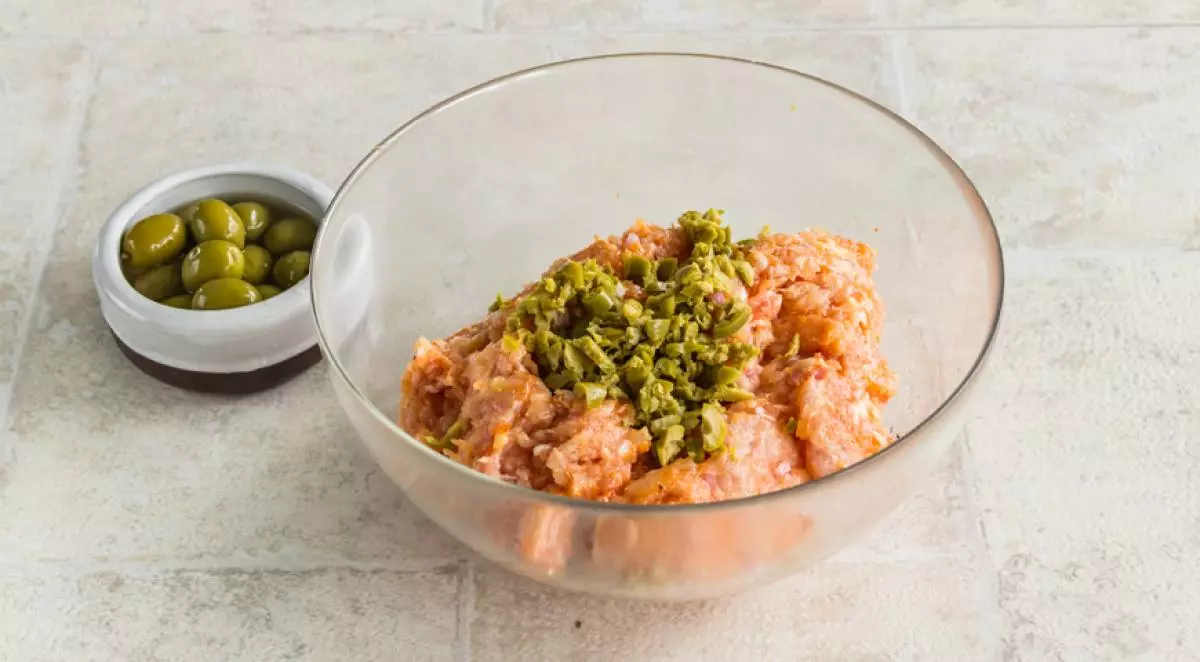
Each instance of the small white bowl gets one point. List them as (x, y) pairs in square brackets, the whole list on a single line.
[(183, 346)]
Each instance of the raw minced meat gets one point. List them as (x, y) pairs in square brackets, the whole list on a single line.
[(817, 408)]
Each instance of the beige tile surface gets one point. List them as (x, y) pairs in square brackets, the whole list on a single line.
[(685, 14), (43, 95), (1042, 12), (43, 91), (939, 520), (164, 18), (1077, 138), (839, 611), (118, 467), (141, 523), (229, 614), (858, 61), (1085, 463)]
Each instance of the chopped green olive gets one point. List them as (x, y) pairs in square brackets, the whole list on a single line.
[(510, 343), (632, 310), (572, 272), (793, 346), (666, 348), (456, 430), (744, 271), (599, 303), (593, 351), (637, 268), (659, 425), (734, 320), (592, 394), (573, 361), (733, 394), (712, 428), (665, 268), (656, 330), (663, 305), (726, 376), (670, 444)]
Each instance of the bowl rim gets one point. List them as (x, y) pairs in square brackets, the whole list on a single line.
[(510, 490)]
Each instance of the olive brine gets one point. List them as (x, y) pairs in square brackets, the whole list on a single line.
[(211, 255)]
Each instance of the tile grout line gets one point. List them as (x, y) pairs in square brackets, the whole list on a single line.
[(491, 31), (1012, 252), (73, 151), (899, 53), (167, 565), (855, 557), (489, 15), (990, 592), (466, 610), (881, 10)]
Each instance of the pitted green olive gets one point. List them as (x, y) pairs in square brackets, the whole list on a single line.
[(213, 219), (183, 301), (258, 264), (153, 241), (186, 212), (255, 218), (268, 290), (225, 293), (160, 282), (289, 234), (212, 260), (291, 268), (129, 271)]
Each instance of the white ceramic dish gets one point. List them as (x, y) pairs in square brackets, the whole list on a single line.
[(241, 340)]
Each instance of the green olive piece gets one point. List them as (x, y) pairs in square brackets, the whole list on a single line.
[(268, 290), (258, 264), (290, 234), (183, 301), (160, 282), (291, 268), (214, 219), (255, 217), (154, 240), (225, 293), (212, 260)]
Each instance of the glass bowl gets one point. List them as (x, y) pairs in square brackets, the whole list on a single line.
[(480, 193)]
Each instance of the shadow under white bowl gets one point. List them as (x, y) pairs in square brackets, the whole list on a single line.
[(236, 341)]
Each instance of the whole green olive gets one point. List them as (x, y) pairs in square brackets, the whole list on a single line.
[(258, 264), (225, 293), (154, 240), (268, 290), (291, 268), (213, 219), (129, 271), (186, 212), (160, 282), (290, 234), (183, 301), (212, 260), (255, 217)]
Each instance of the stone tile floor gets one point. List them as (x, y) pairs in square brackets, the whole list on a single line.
[(1064, 527)]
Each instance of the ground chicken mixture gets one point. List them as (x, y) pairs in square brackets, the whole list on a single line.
[(666, 366)]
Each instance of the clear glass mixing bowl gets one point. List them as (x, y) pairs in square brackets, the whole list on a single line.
[(480, 193)]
